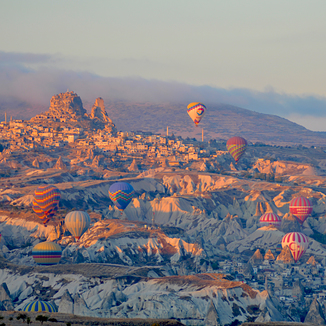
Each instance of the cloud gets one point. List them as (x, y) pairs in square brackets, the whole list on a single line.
[(12, 58), (22, 81)]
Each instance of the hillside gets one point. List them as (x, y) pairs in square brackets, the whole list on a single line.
[(221, 121)]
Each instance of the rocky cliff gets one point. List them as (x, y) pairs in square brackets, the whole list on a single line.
[(98, 111), (68, 107)]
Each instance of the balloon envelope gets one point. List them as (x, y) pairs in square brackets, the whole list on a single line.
[(47, 253), (278, 248), (297, 242), (46, 202), (270, 219), (38, 306), (121, 194), (196, 111), (77, 222), (301, 207), (236, 147)]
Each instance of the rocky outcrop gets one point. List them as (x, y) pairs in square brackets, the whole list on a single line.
[(257, 257), (66, 106), (5, 299), (133, 166), (212, 318), (290, 223), (59, 165), (269, 255), (36, 163), (66, 304), (98, 111), (312, 261), (315, 314), (285, 256)]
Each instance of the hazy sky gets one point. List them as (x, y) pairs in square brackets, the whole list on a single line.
[(258, 47)]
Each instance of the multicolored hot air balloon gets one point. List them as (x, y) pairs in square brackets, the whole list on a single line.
[(270, 219), (121, 194), (297, 242), (196, 111), (301, 207), (236, 147), (278, 248), (77, 222), (39, 306), (46, 202), (47, 253)]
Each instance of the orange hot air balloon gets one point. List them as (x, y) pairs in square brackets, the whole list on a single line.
[(46, 202), (236, 147)]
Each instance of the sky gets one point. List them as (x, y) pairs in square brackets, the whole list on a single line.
[(266, 56)]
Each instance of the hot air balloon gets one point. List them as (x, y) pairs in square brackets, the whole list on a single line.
[(196, 111), (121, 194), (77, 223), (236, 147), (46, 202), (278, 248), (270, 219), (47, 253), (38, 306), (301, 207), (297, 242)]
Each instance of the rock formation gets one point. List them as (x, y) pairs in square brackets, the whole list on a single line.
[(285, 256), (269, 255), (312, 261), (5, 299), (212, 318), (259, 209), (99, 112), (65, 106), (66, 304), (68, 107), (59, 165), (315, 314), (290, 223), (133, 166), (257, 257), (36, 163)]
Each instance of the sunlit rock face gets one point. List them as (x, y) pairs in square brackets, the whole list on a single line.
[(67, 104), (99, 112), (285, 256)]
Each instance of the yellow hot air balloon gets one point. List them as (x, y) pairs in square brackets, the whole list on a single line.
[(196, 111), (77, 222), (47, 253)]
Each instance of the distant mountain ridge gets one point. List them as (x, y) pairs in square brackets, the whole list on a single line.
[(221, 121)]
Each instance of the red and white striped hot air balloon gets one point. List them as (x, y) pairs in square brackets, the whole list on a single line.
[(297, 242), (270, 219), (301, 207)]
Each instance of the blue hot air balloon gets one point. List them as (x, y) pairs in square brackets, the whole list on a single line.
[(38, 306), (77, 223), (121, 194)]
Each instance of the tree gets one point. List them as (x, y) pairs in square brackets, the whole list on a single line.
[(41, 318), (21, 316)]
